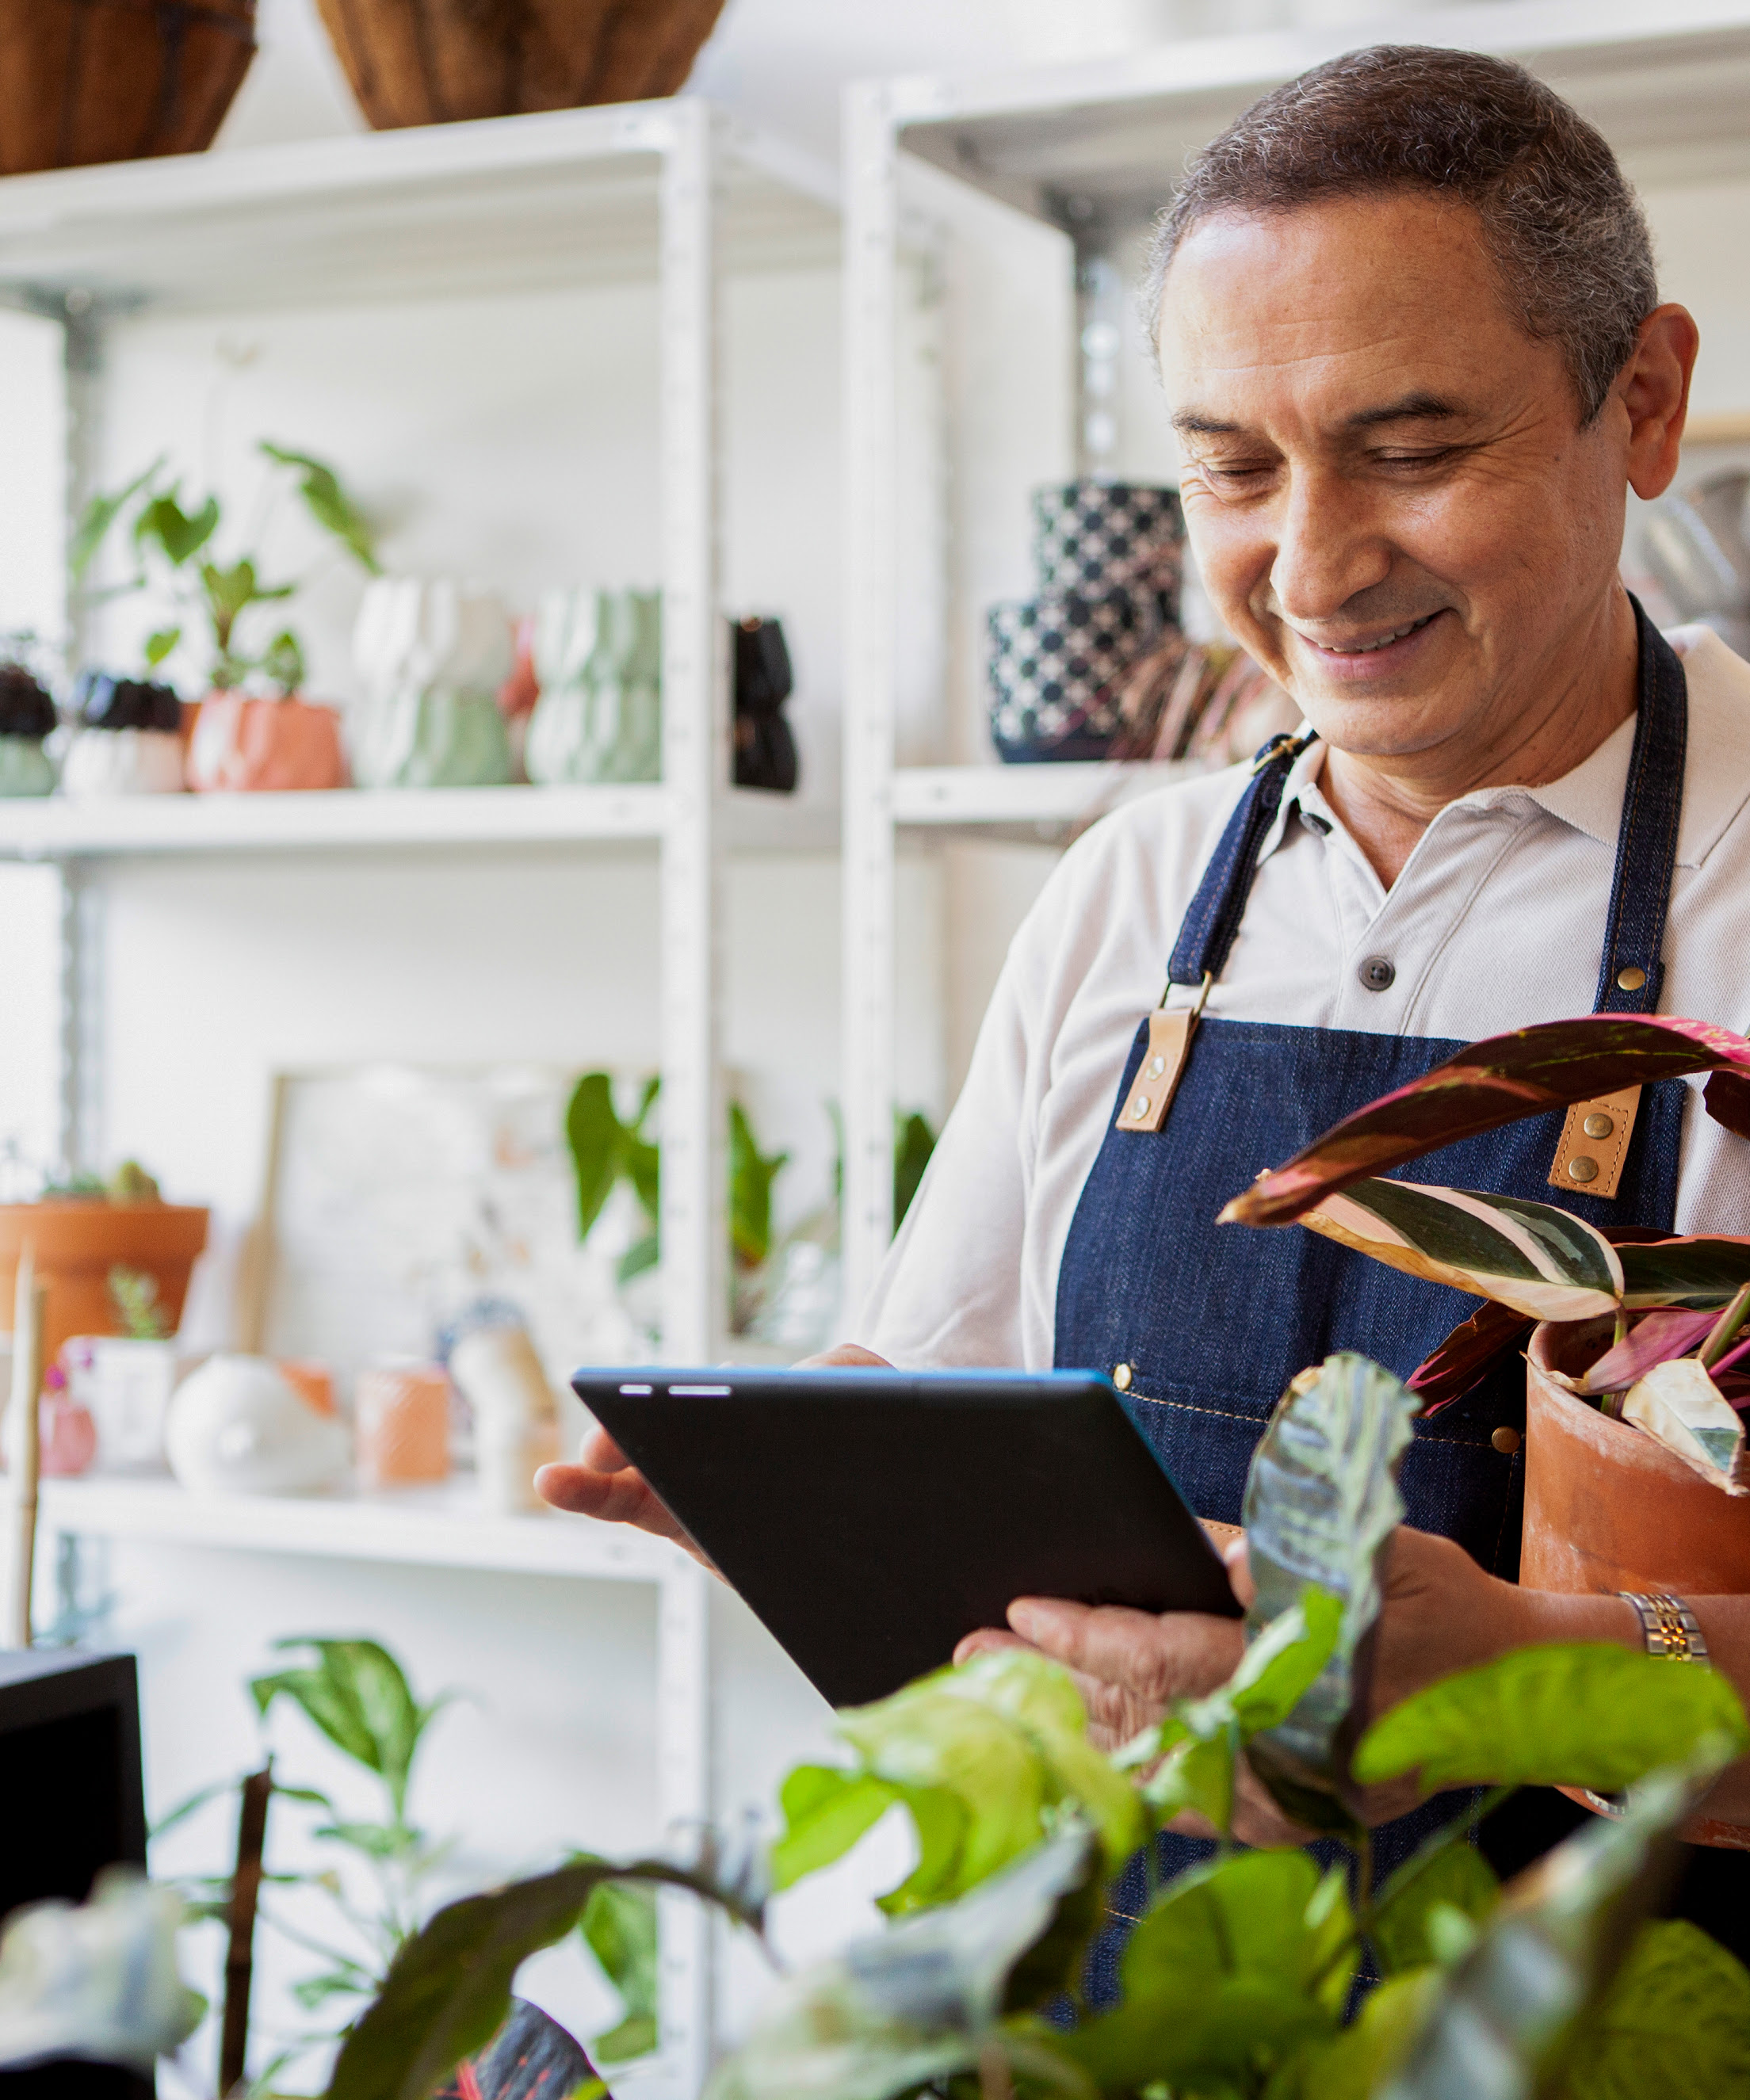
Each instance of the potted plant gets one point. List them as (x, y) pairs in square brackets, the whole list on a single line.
[(251, 732), (1638, 1347), (128, 740), (84, 83), (434, 61), (81, 1231), (27, 717)]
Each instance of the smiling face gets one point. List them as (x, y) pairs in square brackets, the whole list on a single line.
[(1385, 481)]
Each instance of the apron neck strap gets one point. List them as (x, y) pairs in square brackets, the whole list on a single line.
[(1646, 845), (1209, 927), (1647, 841)]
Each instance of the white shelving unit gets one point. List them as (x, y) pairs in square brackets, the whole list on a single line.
[(1082, 149), (675, 191)]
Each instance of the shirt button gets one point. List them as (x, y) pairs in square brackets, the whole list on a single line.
[(1378, 974), (1505, 1441), (1121, 1377)]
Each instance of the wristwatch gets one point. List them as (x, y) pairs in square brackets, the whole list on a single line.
[(1670, 1627)]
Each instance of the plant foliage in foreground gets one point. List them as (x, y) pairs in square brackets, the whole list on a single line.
[(1237, 1979)]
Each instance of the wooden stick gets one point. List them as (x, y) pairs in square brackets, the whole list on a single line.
[(25, 1453), (239, 1955)]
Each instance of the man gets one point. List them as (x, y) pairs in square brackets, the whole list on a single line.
[(1411, 341)]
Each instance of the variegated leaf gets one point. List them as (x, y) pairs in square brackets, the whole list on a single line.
[(1678, 1404), (1536, 1259), (1497, 1082)]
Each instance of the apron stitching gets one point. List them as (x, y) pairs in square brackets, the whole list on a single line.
[(1261, 1421)]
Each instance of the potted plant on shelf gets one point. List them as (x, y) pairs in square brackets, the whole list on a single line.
[(243, 738), (80, 1231), (27, 718), (1638, 1345)]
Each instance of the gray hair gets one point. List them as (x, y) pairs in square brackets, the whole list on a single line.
[(1564, 230)]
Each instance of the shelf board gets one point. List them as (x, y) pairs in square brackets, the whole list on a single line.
[(442, 1527), (1033, 803), (562, 198), (55, 828), (1667, 86)]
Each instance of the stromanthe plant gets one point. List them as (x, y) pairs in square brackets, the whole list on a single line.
[(1672, 1351)]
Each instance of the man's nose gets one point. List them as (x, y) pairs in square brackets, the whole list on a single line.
[(1330, 545)]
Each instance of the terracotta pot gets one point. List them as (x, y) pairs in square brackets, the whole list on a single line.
[(1608, 1508), (77, 1243), (248, 746), (433, 61), (83, 81)]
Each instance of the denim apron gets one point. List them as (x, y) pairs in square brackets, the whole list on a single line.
[(1212, 1323)]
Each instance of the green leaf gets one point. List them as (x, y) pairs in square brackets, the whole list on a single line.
[(620, 1929), (160, 644), (1448, 1871), (1351, 2067), (922, 2001), (1584, 1715), (825, 1813), (938, 1820), (184, 1809), (357, 1695), (1675, 2024), (1537, 1261), (1508, 2012), (642, 1255), (449, 1987), (1487, 1085), (98, 515), (330, 505), (177, 535), (913, 1143), (1233, 1970), (283, 662), (1321, 1502), (751, 1174), (593, 1134)]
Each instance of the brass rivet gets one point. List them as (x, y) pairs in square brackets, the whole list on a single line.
[(1598, 1126), (1631, 979), (1121, 1377), (1139, 1106), (1584, 1167), (1158, 1065), (1505, 1441)]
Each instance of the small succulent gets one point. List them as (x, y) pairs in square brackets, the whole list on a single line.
[(25, 707)]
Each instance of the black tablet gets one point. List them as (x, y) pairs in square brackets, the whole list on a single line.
[(872, 1518)]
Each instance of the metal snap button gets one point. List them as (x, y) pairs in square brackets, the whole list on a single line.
[(1121, 1377), (1631, 979), (1139, 1106), (1598, 1126), (1505, 1441), (1156, 1066), (1583, 1167), (1378, 974)]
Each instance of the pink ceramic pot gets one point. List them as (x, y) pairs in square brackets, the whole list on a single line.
[(264, 746)]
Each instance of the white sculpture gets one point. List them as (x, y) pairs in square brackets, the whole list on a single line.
[(236, 1427), (516, 1429), (431, 656)]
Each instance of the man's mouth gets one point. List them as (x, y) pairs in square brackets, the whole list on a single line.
[(1368, 648)]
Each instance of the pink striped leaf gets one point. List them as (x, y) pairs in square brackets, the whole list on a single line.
[(1497, 1082), (1658, 1337), (1538, 1260)]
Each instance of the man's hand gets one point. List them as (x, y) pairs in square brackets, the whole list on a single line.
[(1442, 1613), (603, 1485)]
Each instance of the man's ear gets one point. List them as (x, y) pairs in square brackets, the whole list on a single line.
[(1654, 389)]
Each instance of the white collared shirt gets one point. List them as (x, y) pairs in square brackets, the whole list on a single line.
[(1495, 922)]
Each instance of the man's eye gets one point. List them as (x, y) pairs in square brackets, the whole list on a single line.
[(1238, 470), (1435, 458)]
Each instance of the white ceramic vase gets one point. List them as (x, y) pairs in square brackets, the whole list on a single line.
[(236, 1427), (431, 656), (123, 761)]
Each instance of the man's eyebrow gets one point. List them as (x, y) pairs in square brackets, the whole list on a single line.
[(1411, 407)]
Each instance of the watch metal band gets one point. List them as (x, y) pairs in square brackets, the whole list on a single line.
[(1670, 1627)]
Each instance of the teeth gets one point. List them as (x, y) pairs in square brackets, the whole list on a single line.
[(1368, 648)]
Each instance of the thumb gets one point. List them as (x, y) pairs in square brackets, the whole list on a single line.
[(1239, 1570)]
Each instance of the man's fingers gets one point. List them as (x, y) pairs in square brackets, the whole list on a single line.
[(601, 1454), (1179, 1655), (1239, 1570), (986, 1639)]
